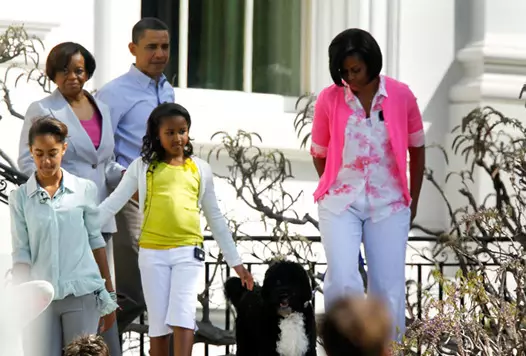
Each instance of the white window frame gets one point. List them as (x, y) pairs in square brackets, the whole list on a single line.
[(248, 46)]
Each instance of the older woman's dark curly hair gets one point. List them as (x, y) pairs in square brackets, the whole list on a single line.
[(354, 42), (152, 150)]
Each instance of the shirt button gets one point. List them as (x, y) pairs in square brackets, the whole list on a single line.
[(93, 166)]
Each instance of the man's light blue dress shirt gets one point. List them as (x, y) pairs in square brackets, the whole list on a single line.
[(131, 98)]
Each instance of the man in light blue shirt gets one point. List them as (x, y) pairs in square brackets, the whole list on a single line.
[(131, 98)]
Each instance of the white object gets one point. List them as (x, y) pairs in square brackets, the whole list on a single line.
[(20, 305), (293, 340), (170, 282)]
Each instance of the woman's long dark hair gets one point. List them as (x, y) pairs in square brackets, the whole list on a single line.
[(152, 150)]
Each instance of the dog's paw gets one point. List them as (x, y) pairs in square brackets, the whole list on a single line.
[(234, 290)]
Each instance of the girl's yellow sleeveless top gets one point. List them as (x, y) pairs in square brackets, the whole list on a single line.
[(171, 211)]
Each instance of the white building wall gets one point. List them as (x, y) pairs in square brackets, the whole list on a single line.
[(494, 71), (428, 41), (454, 54)]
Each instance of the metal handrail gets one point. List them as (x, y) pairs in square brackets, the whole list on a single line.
[(9, 175)]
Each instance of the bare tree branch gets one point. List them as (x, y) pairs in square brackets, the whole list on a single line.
[(17, 46)]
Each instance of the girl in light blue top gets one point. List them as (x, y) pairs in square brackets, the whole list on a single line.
[(57, 238)]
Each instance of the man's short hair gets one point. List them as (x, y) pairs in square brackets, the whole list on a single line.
[(89, 345), (147, 23)]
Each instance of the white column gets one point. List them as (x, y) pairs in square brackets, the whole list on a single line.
[(393, 38), (328, 19), (494, 62), (379, 26), (248, 48), (306, 45), (380, 17), (114, 21), (184, 10), (102, 43), (493, 72)]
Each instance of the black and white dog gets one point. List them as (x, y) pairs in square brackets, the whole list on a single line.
[(278, 318)]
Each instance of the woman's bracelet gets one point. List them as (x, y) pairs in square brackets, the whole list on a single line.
[(113, 296)]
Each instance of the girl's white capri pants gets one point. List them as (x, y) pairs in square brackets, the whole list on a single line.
[(170, 281)]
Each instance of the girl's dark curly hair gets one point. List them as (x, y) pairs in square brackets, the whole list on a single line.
[(151, 145)]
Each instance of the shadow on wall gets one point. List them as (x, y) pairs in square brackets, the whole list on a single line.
[(437, 111)]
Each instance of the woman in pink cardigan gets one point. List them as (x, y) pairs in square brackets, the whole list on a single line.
[(364, 125)]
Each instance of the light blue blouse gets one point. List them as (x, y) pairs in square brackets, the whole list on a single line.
[(56, 236)]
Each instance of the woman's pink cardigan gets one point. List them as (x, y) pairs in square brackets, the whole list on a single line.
[(402, 120)]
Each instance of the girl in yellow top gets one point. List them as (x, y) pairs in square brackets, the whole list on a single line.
[(173, 185)]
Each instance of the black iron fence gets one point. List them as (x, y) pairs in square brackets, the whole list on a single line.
[(9, 176), (217, 319)]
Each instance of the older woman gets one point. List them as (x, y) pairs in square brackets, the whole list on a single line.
[(90, 142), (364, 125)]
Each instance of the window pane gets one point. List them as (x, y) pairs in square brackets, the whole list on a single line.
[(215, 53), (277, 47)]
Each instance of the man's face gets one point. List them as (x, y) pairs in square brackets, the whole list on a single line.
[(152, 52)]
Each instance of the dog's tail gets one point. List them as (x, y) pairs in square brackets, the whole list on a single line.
[(234, 290)]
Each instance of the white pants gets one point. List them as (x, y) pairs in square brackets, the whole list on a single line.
[(170, 279), (385, 248)]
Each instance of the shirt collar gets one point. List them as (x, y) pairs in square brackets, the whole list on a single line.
[(381, 89), (143, 79), (67, 183)]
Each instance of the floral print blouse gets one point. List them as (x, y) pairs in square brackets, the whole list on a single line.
[(368, 165)]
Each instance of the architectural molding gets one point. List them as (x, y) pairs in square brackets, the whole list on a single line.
[(38, 29), (494, 69)]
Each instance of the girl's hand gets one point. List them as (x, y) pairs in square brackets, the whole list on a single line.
[(106, 322), (246, 277)]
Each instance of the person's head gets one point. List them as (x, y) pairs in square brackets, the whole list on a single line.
[(69, 65), (167, 133), (356, 326), (90, 345), (355, 58), (150, 46), (47, 144)]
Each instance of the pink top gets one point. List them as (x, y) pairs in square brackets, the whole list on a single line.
[(402, 120), (93, 128), (368, 166)]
